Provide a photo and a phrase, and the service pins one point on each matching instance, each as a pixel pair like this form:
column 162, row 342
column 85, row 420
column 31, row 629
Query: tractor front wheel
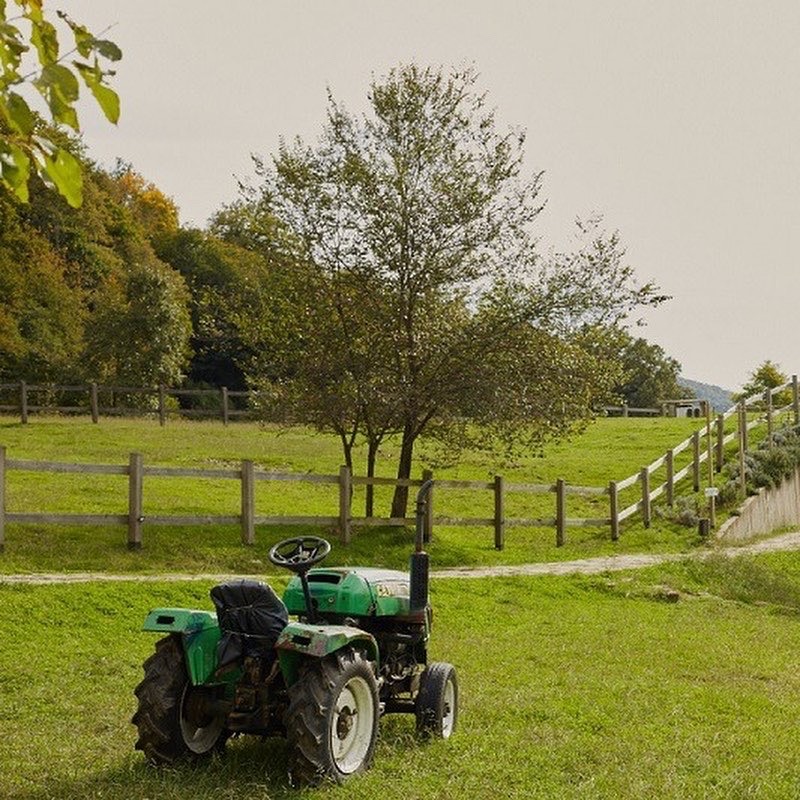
column 173, row 719
column 332, row 719
column 437, row 701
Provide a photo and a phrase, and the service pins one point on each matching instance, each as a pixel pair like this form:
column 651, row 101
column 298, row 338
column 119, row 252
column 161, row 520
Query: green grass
column 608, row 449
column 571, row 688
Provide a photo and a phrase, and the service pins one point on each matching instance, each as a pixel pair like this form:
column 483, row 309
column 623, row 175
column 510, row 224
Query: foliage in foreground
column 26, row 146
column 572, row 688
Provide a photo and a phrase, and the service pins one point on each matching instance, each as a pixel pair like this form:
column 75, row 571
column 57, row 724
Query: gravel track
column 585, row 566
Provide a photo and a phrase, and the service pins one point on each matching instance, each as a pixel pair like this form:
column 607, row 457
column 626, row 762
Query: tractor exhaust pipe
column 419, row 558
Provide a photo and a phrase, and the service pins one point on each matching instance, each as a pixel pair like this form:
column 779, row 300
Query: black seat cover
column 251, row 617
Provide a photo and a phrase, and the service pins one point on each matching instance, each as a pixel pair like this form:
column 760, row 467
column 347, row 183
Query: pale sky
column 679, row 121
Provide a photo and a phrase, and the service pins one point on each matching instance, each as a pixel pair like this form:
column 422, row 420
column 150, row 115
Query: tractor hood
column 352, row 591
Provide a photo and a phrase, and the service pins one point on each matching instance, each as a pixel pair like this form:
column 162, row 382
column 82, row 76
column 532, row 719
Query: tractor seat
column 251, row 617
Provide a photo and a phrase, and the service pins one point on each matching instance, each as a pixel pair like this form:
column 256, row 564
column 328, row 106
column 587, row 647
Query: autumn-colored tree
column 156, row 213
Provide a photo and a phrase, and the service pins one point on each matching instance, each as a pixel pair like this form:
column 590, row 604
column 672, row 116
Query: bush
column 767, row 467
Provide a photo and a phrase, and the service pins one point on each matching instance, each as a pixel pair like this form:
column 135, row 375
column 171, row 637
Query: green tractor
column 358, row 650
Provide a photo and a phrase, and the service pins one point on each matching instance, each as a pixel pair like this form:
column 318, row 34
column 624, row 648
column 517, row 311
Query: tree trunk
column 347, row 451
column 372, row 455
column 400, row 500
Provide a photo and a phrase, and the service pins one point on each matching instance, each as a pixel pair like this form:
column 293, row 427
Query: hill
column 719, row 398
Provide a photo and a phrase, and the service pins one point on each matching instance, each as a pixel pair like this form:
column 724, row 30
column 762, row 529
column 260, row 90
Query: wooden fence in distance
column 97, row 400
column 223, row 404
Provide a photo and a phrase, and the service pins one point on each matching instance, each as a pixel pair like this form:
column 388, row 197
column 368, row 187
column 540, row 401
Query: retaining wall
column 766, row 512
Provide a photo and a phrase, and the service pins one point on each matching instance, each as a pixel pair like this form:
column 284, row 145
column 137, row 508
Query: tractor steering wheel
column 300, row 553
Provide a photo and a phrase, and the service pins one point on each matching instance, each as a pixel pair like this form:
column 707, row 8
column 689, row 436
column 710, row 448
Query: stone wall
column 766, row 512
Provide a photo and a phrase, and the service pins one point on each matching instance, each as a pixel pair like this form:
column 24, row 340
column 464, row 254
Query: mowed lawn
column 609, row 449
column 572, row 687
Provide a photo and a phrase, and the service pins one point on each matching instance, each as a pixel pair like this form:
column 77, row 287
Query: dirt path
column 585, row 566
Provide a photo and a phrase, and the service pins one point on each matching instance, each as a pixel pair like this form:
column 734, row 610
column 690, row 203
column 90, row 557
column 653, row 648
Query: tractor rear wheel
column 332, row 719
column 172, row 719
column 437, row 701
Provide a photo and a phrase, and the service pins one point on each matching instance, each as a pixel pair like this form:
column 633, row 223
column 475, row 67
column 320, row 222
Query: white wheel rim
column 352, row 725
column 449, row 708
column 199, row 739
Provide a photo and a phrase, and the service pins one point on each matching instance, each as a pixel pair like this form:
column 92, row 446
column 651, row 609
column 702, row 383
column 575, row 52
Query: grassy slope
column 609, row 449
column 571, row 688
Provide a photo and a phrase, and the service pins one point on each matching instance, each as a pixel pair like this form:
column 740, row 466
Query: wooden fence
column 247, row 518
column 707, row 447
column 98, row 400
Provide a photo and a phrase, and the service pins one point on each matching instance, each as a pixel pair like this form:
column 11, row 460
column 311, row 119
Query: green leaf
column 107, row 49
column 18, row 114
column 45, row 40
column 11, row 46
column 107, row 98
column 59, row 87
column 15, row 170
column 64, row 171
column 62, row 80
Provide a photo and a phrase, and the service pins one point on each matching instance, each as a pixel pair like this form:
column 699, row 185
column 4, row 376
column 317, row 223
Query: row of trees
column 382, row 281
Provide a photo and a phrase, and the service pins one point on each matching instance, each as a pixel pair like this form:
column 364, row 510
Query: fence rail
column 223, row 403
column 51, row 399
column 707, row 446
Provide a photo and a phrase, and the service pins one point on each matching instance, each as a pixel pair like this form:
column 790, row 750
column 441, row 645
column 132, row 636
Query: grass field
column 608, row 449
column 571, row 688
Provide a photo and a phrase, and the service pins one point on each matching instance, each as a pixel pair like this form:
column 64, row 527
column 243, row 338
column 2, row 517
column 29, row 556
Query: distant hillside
column 719, row 398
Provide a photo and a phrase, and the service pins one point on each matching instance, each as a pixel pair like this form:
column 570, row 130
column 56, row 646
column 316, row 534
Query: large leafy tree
column 646, row 375
column 417, row 219
column 33, row 64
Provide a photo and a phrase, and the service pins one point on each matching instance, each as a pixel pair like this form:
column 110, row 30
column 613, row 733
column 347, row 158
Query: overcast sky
column 678, row 121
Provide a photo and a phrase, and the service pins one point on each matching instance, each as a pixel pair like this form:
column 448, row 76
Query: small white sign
column 712, row 491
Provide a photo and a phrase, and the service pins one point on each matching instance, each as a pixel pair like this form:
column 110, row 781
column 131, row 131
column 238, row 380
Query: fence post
column 248, row 502
column 2, row 498
column 644, row 477
column 669, row 460
column 23, row 402
column 720, row 442
column 561, row 512
column 427, row 475
column 696, row 460
column 135, row 517
column 795, row 400
column 499, row 513
column 768, row 401
column 345, row 483
column 94, row 404
column 743, row 425
column 613, row 502
column 224, row 391
column 162, row 406
column 742, row 450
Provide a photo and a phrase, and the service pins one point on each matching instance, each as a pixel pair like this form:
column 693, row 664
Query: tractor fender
column 199, row 632
column 300, row 640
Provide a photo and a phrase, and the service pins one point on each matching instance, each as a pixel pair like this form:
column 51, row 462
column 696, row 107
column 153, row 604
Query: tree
column 418, row 219
column 41, row 314
column 25, row 143
column 139, row 333
column 768, row 375
column 647, row 375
